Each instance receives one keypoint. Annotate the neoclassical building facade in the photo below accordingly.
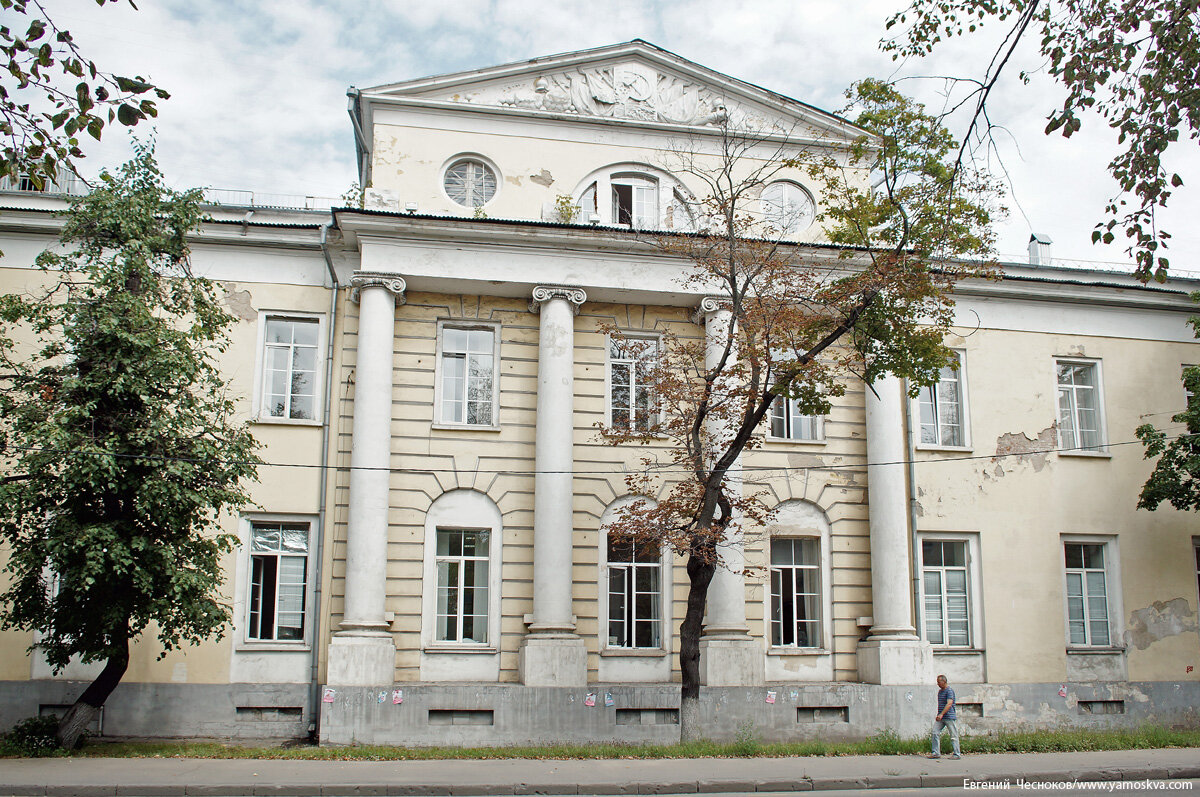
(428, 561)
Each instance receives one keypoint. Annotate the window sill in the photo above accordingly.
(634, 653)
(957, 651)
(464, 427)
(273, 647)
(1087, 454)
(1103, 650)
(273, 421)
(776, 651)
(947, 449)
(793, 442)
(438, 649)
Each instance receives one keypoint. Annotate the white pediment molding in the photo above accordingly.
(634, 82)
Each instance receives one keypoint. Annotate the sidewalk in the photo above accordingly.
(183, 776)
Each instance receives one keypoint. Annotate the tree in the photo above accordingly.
(52, 93)
(118, 430)
(799, 324)
(1176, 475)
(1136, 63)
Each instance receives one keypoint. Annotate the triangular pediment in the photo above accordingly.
(634, 82)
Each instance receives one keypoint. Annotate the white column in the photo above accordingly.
(728, 655)
(551, 653)
(363, 652)
(892, 654)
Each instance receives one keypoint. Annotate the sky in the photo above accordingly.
(259, 86)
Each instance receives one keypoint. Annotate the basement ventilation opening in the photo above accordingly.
(808, 714)
(269, 713)
(456, 716)
(973, 710)
(1101, 706)
(647, 716)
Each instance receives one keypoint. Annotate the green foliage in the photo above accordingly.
(355, 196)
(32, 737)
(1133, 63)
(746, 742)
(51, 94)
(1176, 475)
(565, 207)
(117, 428)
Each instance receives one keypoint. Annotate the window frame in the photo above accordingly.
(259, 413)
(818, 424)
(822, 591)
(669, 192)
(666, 587)
(244, 588)
(792, 230)
(659, 564)
(461, 157)
(439, 422)
(973, 568)
(1112, 588)
(656, 412)
(1076, 446)
(461, 559)
(964, 411)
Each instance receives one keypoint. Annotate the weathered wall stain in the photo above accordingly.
(239, 302)
(542, 178)
(1017, 447)
(1159, 620)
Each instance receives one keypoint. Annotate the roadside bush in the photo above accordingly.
(32, 737)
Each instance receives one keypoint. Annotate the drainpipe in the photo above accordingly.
(912, 514)
(314, 697)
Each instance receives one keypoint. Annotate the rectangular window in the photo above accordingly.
(278, 581)
(289, 374)
(462, 585)
(634, 202)
(1080, 421)
(1087, 594)
(467, 378)
(631, 401)
(634, 594)
(796, 592)
(947, 593)
(941, 408)
(788, 423)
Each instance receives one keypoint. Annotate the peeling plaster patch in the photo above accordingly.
(1032, 451)
(514, 180)
(1076, 350)
(542, 178)
(918, 510)
(999, 471)
(1159, 620)
(805, 461)
(239, 302)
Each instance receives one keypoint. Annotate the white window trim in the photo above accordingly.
(668, 187)
(1112, 588)
(461, 509)
(1102, 451)
(259, 414)
(964, 404)
(666, 590)
(455, 323)
(463, 156)
(608, 361)
(768, 420)
(241, 601)
(822, 532)
(974, 588)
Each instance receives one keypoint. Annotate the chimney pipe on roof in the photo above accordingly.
(1039, 249)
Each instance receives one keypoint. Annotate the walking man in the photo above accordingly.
(945, 719)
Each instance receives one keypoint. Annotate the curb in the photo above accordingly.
(707, 786)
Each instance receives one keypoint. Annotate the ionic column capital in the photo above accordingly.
(393, 283)
(543, 293)
(708, 306)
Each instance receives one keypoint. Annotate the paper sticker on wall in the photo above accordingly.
(608, 700)
(1188, 670)
(590, 700)
(397, 697)
(327, 695)
(770, 695)
(794, 695)
(381, 697)
(908, 696)
(1062, 691)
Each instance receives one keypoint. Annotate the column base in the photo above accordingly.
(895, 662)
(361, 661)
(732, 661)
(553, 660)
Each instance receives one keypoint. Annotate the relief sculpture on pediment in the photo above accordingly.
(620, 92)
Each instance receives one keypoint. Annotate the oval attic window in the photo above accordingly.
(470, 182)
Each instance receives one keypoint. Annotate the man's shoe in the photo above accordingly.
(933, 755)
(955, 757)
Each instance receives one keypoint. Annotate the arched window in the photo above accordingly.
(641, 198)
(787, 208)
(470, 182)
(798, 551)
(463, 534)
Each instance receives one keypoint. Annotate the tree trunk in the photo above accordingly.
(88, 706)
(700, 571)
